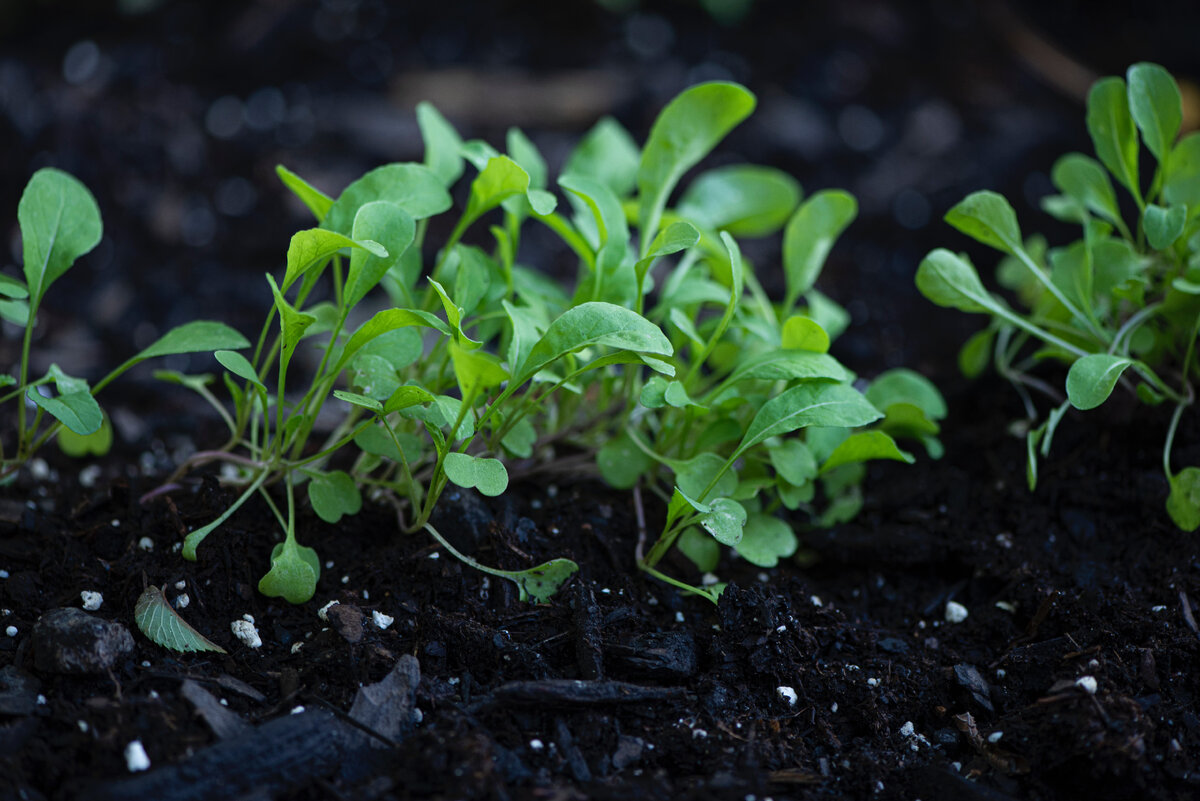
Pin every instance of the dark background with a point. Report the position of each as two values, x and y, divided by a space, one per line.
175 114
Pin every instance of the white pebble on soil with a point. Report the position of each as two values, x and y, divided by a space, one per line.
955 612
91 600
1087 683
135 757
786 693
246 631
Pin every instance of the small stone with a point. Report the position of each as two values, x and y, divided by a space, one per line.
1087 683
955 612
246 631
145 543
995 736
347 620
908 729
91 600
11 631
72 641
536 745
786 693
296 710
872 682
136 758
182 600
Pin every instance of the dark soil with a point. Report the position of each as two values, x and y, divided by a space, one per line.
676 698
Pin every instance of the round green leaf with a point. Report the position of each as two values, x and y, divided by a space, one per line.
474 472
293 575
724 521
766 539
334 494
1091 379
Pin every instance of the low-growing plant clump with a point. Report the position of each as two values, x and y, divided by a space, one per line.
1121 305
668 366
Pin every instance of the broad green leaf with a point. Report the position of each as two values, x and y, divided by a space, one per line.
951 281
603 204
524 332
809 236
442 144
413 187
473 279
293 575
198 336
1163 226
1181 183
694 475
389 320
1183 504
907 420
333 494
686 130
702 549
654 393
486 475
12 288
164 627
988 218
743 199
73 406
683 323
862 446
538 584
789 365
501 179
766 539
520 439
621 462
803 333
476 370
793 461
1091 379
608 154
1086 181
1156 107
15 311
724 521
317 201
77 446
240 366
393 228
594 323
399 347
407 396
808 405
375 440
60 222
1111 127
676 395
902 385
525 153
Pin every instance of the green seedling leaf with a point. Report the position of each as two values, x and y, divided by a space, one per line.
77 446
520 439
15 311
686 130
1156 107
357 399
1182 180
60 222
539 584
74 406
692 476
901 385
604 205
683 323
594 323
501 179
976 353
441 414
1086 182
1112 130
292 323
333 494
443 145
486 475
702 549
413 187
808 405
317 201
407 396
988 218
164 627
385 321
1183 504
809 236
793 461
804 333
315 246
950 280
1163 226
766 539
676 395
1091 379
454 315
476 370
394 229
607 154
790 365
240 366
744 199
199 336
654 393
376 441
862 446
724 520
294 573
621 462
12 288
525 153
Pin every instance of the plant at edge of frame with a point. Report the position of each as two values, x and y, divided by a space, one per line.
1121 305
480 363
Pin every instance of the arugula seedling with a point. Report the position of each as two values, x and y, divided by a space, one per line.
1121 305
60 223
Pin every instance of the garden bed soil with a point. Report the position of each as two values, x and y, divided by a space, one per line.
620 686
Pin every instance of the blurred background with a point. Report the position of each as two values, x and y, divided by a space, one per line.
175 113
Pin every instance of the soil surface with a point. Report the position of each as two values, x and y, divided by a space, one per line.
1072 675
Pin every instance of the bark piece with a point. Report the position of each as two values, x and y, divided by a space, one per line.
70 640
